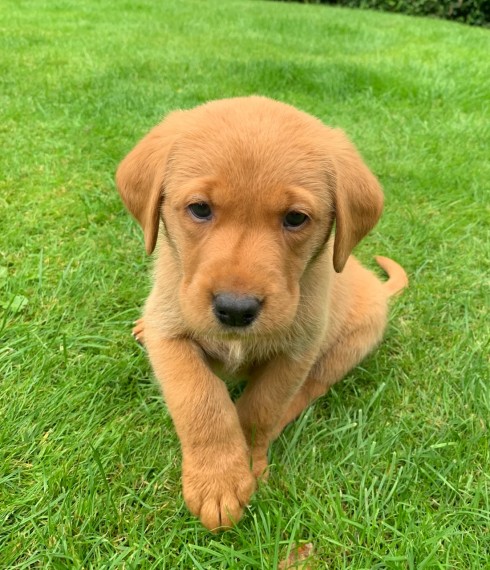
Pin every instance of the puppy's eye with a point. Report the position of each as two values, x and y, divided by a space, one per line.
201 211
293 220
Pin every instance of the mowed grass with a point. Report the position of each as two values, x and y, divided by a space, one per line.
392 468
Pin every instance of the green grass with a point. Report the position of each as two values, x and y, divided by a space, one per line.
392 468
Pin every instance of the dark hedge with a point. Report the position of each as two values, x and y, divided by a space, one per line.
473 12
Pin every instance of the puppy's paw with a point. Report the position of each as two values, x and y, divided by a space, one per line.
260 465
138 331
218 490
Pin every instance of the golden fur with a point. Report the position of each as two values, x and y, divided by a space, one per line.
252 161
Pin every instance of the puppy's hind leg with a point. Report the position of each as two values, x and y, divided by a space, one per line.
333 364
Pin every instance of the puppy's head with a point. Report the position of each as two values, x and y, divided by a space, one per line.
247 190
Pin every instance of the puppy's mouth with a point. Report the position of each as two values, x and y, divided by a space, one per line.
236 313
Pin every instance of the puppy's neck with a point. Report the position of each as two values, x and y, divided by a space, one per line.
236 354
228 358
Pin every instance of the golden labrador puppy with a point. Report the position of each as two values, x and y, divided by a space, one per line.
249 280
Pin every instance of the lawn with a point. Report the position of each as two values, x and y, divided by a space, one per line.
392 468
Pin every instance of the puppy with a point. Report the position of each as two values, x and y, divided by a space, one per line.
250 281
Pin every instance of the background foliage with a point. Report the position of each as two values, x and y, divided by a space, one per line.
473 12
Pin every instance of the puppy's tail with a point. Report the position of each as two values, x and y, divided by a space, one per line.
397 278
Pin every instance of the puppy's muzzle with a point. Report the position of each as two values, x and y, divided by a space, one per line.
236 310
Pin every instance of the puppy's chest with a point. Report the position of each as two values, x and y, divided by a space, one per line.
238 358
230 359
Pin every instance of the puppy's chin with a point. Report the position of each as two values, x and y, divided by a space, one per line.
224 332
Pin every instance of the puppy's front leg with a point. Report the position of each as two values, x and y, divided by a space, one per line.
217 480
265 400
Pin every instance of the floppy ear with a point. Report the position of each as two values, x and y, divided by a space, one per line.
140 176
358 200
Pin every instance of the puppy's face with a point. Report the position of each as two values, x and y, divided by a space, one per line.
244 219
248 190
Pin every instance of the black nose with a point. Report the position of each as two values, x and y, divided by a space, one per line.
236 310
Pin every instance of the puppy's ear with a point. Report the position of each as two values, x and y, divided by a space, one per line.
140 176
358 200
